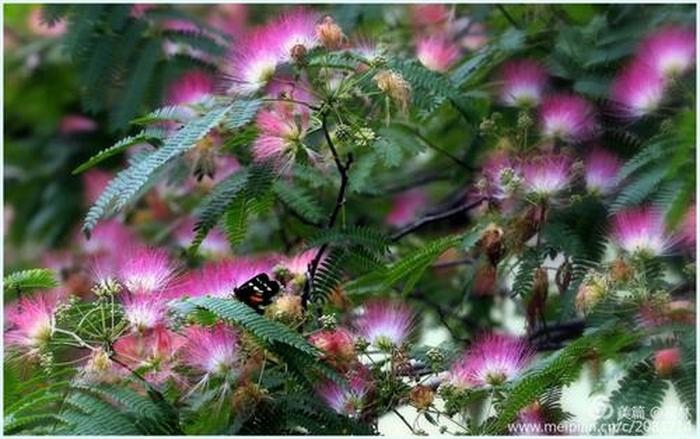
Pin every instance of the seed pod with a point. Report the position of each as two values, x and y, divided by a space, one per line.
666 361
563 277
330 34
620 271
299 54
485 278
421 397
492 243
395 86
538 299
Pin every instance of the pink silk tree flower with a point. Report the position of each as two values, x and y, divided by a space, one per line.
384 323
567 117
637 91
144 312
546 174
293 96
476 37
338 346
641 230
298 264
76 124
501 175
30 322
155 351
39 27
104 249
253 62
139 9
688 232
405 207
221 278
522 83
430 14
295 32
280 136
230 18
601 171
146 271
530 420
347 400
670 51
212 351
491 360
437 53
190 88
666 361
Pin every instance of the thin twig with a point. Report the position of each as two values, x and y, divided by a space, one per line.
456 262
439 216
508 16
339 203
396 412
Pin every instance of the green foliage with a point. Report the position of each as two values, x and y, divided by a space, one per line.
660 172
300 200
244 193
641 387
93 409
242 112
395 144
215 205
113 150
684 379
26 279
428 89
129 182
409 268
120 57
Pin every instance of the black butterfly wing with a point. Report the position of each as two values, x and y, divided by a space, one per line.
258 292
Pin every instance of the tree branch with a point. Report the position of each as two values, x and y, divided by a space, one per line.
439 216
339 203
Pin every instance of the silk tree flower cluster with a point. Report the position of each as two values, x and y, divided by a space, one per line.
643 85
314 206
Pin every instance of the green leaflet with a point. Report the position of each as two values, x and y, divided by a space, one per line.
113 150
129 182
33 278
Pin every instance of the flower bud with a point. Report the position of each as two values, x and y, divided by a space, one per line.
492 243
299 53
592 289
247 397
330 34
421 397
540 286
337 345
666 360
286 308
99 361
485 279
621 271
395 86
538 298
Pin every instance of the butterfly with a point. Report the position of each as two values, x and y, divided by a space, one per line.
257 292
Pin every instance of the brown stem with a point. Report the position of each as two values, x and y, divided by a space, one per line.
439 216
339 203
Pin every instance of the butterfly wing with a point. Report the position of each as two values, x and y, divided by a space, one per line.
258 292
